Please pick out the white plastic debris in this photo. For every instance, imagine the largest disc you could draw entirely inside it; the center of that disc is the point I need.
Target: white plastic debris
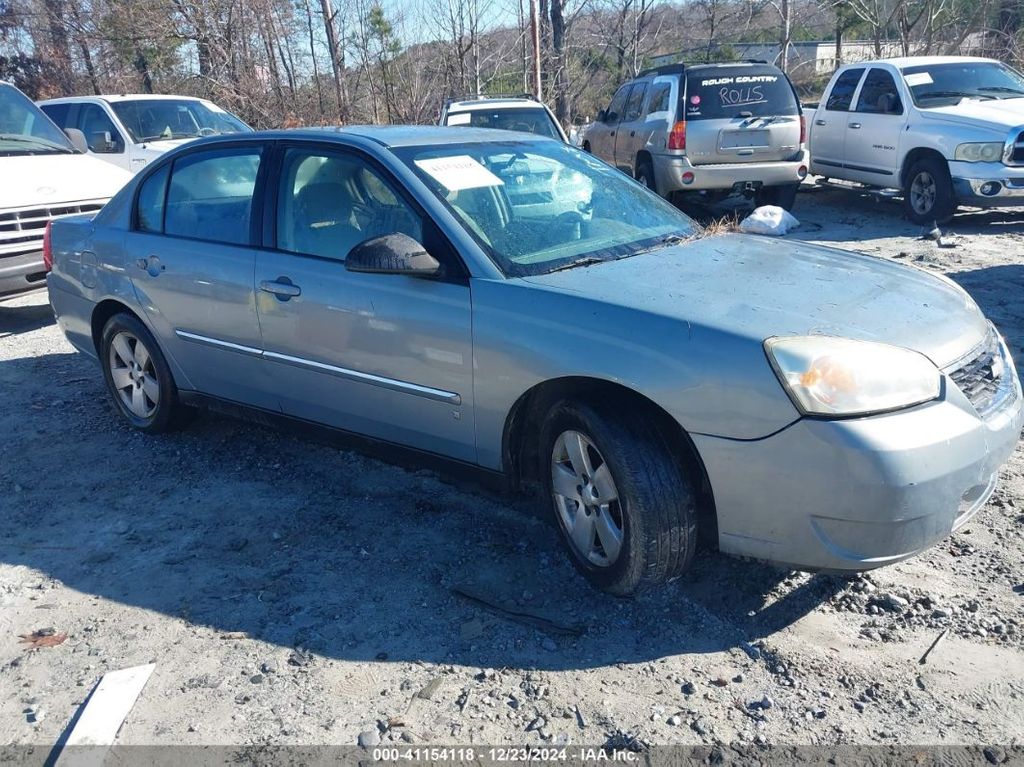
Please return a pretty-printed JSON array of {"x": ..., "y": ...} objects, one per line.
[{"x": 769, "y": 219}]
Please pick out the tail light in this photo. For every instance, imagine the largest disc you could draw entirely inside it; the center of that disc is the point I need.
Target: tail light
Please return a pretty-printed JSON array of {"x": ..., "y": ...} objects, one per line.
[
  {"x": 677, "y": 138},
  {"x": 47, "y": 247},
  {"x": 803, "y": 129}
]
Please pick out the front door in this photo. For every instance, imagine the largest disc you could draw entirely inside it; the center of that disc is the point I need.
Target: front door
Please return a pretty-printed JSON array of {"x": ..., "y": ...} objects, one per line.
[
  {"x": 388, "y": 356},
  {"x": 632, "y": 121},
  {"x": 191, "y": 262},
  {"x": 601, "y": 135},
  {"x": 874, "y": 131}
]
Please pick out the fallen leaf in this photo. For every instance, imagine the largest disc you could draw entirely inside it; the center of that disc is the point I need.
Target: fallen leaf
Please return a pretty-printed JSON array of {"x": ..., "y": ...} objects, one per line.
[{"x": 42, "y": 638}]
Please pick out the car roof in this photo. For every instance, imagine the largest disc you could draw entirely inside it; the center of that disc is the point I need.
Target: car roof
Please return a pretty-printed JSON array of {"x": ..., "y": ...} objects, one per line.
[
  {"x": 388, "y": 136},
  {"x": 902, "y": 62},
  {"x": 111, "y": 98},
  {"x": 470, "y": 105}
]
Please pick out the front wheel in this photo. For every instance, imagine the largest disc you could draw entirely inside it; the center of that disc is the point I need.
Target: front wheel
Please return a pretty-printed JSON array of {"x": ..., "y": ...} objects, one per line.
[
  {"x": 783, "y": 196},
  {"x": 626, "y": 513},
  {"x": 928, "y": 192}
]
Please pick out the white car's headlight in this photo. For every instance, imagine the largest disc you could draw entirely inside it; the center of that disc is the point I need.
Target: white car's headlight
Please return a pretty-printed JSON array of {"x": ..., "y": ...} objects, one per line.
[
  {"x": 825, "y": 375},
  {"x": 986, "y": 152}
]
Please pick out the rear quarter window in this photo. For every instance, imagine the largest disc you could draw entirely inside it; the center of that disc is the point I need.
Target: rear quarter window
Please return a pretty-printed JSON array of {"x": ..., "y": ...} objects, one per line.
[{"x": 725, "y": 93}]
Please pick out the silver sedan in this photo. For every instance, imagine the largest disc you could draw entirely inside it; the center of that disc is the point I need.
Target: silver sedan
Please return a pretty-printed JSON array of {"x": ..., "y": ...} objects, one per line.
[{"x": 513, "y": 304}]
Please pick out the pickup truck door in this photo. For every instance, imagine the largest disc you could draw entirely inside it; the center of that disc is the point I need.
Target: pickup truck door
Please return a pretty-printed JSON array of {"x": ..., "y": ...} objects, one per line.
[
  {"x": 830, "y": 128},
  {"x": 874, "y": 129},
  {"x": 601, "y": 135}
]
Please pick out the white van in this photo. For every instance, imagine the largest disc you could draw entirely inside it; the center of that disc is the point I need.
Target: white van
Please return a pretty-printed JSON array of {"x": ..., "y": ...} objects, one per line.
[
  {"x": 42, "y": 175},
  {"x": 132, "y": 130}
]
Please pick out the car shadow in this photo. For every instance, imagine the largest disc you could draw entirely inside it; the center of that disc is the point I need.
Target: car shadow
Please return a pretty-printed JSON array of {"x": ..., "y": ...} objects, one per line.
[
  {"x": 244, "y": 528},
  {"x": 997, "y": 291},
  {"x": 23, "y": 318}
]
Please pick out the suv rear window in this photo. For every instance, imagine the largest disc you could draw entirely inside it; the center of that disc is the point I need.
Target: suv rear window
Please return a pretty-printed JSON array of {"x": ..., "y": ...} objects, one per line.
[{"x": 724, "y": 93}]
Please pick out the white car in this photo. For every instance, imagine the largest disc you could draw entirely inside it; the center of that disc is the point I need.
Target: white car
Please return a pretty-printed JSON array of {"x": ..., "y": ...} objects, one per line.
[
  {"x": 44, "y": 176},
  {"x": 941, "y": 130},
  {"x": 132, "y": 130},
  {"x": 520, "y": 113}
]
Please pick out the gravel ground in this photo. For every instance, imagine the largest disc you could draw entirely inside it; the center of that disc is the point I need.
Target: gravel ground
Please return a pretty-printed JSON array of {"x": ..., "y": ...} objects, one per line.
[{"x": 293, "y": 592}]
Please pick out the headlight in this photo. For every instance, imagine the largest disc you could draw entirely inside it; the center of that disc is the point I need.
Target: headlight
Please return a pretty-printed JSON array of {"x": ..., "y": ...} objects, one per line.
[
  {"x": 989, "y": 152},
  {"x": 825, "y": 375}
]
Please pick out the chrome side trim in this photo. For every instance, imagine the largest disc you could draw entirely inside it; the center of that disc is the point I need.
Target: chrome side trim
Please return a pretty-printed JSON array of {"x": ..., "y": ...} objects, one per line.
[
  {"x": 354, "y": 375},
  {"x": 206, "y": 341}
]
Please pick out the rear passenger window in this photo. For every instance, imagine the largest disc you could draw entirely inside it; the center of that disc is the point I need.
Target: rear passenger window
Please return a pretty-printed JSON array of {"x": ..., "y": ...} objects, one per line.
[
  {"x": 149, "y": 215},
  {"x": 210, "y": 195},
  {"x": 636, "y": 99},
  {"x": 660, "y": 98},
  {"x": 879, "y": 94},
  {"x": 841, "y": 97}
]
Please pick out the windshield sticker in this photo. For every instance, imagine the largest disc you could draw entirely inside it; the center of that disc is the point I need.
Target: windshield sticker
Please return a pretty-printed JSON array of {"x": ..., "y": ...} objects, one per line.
[
  {"x": 459, "y": 172},
  {"x": 459, "y": 118},
  {"x": 918, "y": 78}
]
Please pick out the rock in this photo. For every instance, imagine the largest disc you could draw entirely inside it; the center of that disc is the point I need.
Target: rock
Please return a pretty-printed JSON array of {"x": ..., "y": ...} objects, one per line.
[
  {"x": 369, "y": 738},
  {"x": 675, "y": 720},
  {"x": 549, "y": 644},
  {"x": 689, "y": 688},
  {"x": 256, "y": 679},
  {"x": 766, "y": 703},
  {"x": 536, "y": 724},
  {"x": 35, "y": 715},
  {"x": 699, "y": 726},
  {"x": 738, "y": 678},
  {"x": 994, "y": 754},
  {"x": 268, "y": 667},
  {"x": 891, "y": 602},
  {"x": 749, "y": 649}
]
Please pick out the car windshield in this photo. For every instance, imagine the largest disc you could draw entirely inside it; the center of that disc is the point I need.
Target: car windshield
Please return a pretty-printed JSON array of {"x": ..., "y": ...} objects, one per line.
[
  {"x": 939, "y": 85},
  {"x": 164, "y": 119},
  {"x": 540, "y": 206},
  {"x": 24, "y": 129},
  {"x": 524, "y": 119},
  {"x": 717, "y": 93}
]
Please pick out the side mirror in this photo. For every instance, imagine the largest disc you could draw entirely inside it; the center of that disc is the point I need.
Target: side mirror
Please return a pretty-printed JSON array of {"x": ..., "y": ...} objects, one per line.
[
  {"x": 601, "y": 114},
  {"x": 392, "y": 254},
  {"x": 77, "y": 139},
  {"x": 103, "y": 143}
]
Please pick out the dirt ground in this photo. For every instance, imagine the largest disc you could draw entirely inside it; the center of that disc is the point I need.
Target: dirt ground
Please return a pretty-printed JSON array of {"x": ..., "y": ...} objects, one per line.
[{"x": 289, "y": 591}]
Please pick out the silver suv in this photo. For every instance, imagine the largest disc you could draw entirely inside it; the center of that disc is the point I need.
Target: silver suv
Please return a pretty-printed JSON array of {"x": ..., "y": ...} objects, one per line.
[{"x": 716, "y": 130}]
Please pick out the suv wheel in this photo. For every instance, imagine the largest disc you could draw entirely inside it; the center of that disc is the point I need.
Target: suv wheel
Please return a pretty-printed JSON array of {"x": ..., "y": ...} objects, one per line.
[
  {"x": 586, "y": 147},
  {"x": 928, "y": 192},
  {"x": 137, "y": 376},
  {"x": 645, "y": 175},
  {"x": 626, "y": 513},
  {"x": 784, "y": 196}
]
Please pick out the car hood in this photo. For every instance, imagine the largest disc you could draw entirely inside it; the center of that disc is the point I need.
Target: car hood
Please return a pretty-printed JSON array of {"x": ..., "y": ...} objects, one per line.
[
  {"x": 757, "y": 287},
  {"x": 998, "y": 115},
  {"x": 57, "y": 178}
]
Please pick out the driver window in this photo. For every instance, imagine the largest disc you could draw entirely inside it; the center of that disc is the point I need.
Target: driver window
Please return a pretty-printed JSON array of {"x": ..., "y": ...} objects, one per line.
[
  {"x": 328, "y": 203},
  {"x": 614, "y": 112},
  {"x": 97, "y": 126},
  {"x": 878, "y": 95}
]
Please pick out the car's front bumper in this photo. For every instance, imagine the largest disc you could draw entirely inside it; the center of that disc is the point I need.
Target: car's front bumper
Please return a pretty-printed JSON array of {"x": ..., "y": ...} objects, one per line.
[
  {"x": 855, "y": 494},
  {"x": 22, "y": 272},
  {"x": 670, "y": 169},
  {"x": 987, "y": 184}
]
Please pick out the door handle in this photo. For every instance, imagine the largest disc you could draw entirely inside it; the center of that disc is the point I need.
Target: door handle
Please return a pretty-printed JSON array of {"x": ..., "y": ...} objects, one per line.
[
  {"x": 855, "y": 126},
  {"x": 819, "y": 122},
  {"x": 150, "y": 265},
  {"x": 282, "y": 287},
  {"x": 612, "y": 133},
  {"x": 632, "y": 133}
]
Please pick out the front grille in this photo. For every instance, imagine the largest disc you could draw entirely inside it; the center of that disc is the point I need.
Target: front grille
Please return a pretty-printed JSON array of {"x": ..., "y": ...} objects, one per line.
[
  {"x": 21, "y": 231},
  {"x": 980, "y": 377}
]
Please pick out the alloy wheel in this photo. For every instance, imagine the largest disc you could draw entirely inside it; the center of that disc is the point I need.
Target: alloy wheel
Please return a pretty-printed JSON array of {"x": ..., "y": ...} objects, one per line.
[
  {"x": 133, "y": 375},
  {"x": 586, "y": 499},
  {"x": 923, "y": 191}
]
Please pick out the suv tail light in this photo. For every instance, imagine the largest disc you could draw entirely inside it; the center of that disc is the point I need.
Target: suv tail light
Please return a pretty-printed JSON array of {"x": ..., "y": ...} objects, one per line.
[
  {"x": 677, "y": 137},
  {"x": 803, "y": 129},
  {"x": 47, "y": 247}
]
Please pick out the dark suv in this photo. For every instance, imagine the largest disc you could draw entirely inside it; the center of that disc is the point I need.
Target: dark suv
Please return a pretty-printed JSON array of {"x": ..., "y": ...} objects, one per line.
[{"x": 713, "y": 129}]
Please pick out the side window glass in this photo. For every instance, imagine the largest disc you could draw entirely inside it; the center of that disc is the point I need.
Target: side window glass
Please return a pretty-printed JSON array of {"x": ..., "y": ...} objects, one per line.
[
  {"x": 842, "y": 92},
  {"x": 100, "y": 133},
  {"x": 879, "y": 94},
  {"x": 149, "y": 213},
  {"x": 210, "y": 195},
  {"x": 659, "y": 99},
  {"x": 636, "y": 99},
  {"x": 329, "y": 203},
  {"x": 58, "y": 113},
  {"x": 615, "y": 109}
]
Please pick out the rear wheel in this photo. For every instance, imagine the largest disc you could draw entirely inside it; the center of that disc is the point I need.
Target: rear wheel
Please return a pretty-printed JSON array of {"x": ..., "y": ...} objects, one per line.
[
  {"x": 645, "y": 175},
  {"x": 626, "y": 513},
  {"x": 586, "y": 146},
  {"x": 928, "y": 192},
  {"x": 137, "y": 376},
  {"x": 783, "y": 196}
]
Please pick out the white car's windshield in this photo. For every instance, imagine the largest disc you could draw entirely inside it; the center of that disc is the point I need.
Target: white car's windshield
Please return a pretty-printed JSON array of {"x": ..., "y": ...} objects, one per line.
[
  {"x": 936, "y": 85},
  {"x": 524, "y": 119},
  {"x": 163, "y": 119},
  {"x": 24, "y": 129},
  {"x": 539, "y": 206}
]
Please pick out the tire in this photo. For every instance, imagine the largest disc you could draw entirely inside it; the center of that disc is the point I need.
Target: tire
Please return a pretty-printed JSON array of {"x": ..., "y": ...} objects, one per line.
[
  {"x": 138, "y": 379},
  {"x": 651, "y": 511},
  {"x": 645, "y": 175},
  {"x": 586, "y": 147},
  {"x": 784, "y": 196},
  {"x": 928, "y": 192}
]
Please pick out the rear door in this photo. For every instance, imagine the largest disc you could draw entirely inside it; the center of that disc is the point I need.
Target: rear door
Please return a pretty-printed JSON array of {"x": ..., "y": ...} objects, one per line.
[
  {"x": 828, "y": 136},
  {"x": 740, "y": 114},
  {"x": 874, "y": 130},
  {"x": 601, "y": 135},
  {"x": 384, "y": 355},
  {"x": 632, "y": 121},
  {"x": 191, "y": 261}
]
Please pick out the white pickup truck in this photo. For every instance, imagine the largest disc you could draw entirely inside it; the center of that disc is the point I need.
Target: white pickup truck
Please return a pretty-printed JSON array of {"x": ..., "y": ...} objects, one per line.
[{"x": 942, "y": 131}]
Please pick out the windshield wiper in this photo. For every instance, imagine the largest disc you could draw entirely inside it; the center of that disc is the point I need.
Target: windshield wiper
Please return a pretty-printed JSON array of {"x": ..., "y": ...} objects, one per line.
[
  {"x": 953, "y": 95},
  {"x": 665, "y": 242},
  {"x": 585, "y": 261},
  {"x": 48, "y": 146},
  {"x": 1001, "y": 89}
]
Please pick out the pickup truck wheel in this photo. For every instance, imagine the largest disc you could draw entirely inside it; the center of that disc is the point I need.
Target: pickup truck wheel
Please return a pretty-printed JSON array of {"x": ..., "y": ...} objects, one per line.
[
  {"x": 626, "y": 513},
  {"x": 137, "y": 376},
  {"x": 784, "y": 196},
  {"x": 928, "y": 192},
  {"x": 645, "y": 175}
]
